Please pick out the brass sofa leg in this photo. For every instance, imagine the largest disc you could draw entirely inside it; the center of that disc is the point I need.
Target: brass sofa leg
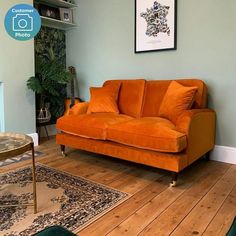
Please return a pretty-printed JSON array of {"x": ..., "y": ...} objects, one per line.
[
  {"x": 174, "y": 179},
  {"x": 63, "y": 150}
]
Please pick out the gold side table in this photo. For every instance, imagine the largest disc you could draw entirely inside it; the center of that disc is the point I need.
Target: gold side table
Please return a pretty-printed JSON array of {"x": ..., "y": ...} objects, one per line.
[{"x": 13, "y": 144}]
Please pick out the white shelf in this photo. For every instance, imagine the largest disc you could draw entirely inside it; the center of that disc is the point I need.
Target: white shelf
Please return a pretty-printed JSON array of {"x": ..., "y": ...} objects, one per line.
[
  {"x": 58, "y": 24},
  {"x": 58, "y": 3}
]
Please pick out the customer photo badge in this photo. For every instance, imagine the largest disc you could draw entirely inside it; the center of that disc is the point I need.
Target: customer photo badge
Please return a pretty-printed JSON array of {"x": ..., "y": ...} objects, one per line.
[{"x": 22, "y": 22}]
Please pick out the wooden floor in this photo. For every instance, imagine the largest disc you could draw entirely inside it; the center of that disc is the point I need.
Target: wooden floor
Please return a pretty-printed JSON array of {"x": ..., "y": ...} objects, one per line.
[{"x": 204, "y": 203}]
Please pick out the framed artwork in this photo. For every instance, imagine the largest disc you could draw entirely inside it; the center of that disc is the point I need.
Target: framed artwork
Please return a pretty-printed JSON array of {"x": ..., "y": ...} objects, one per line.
[
  {"x": 66, "y": 15},
  {"x": 155, "y": 25}
]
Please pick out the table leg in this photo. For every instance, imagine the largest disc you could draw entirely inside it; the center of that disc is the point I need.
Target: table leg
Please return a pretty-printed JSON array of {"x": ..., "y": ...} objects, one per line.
[
  {"x": 34, "y": 179},
  {"x": 39, "y": 132}
]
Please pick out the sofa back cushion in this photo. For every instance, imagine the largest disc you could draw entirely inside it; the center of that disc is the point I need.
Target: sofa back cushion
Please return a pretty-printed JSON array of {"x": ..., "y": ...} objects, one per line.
[
  {"x": 130, "y": 98},
  {"x": 155, "y": 91}
]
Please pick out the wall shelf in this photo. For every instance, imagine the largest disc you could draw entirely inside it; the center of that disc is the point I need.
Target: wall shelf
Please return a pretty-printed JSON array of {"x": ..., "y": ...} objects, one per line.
[
  {"x": 57, "y": 3},
  {"x": 58, "y": 24}
]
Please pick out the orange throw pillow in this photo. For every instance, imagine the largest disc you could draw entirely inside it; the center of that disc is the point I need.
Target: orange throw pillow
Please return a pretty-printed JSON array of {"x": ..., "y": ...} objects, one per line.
[
  {"x": 104, "y": 99},
  {"x": 177, "y": 99}
]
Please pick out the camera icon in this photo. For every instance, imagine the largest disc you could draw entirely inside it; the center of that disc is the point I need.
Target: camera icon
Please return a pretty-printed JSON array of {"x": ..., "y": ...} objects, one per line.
[{"x": 22, "y": 22}]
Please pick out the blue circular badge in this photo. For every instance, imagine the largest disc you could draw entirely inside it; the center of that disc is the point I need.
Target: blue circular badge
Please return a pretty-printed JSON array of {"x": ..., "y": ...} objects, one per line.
[{"x": 22, "y": 22}]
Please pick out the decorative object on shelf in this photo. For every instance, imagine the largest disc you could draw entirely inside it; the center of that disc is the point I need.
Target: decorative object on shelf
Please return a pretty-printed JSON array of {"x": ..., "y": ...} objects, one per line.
[
  {"x": 70, "y": 1},
  {"x": 48, "y": 11},
  {"x": 66, "y": 15},
  {"x": 155, "y": 25}
]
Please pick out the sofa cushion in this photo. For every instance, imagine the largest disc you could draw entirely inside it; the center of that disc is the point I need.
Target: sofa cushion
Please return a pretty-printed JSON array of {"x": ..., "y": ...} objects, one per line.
[
  {"x": 89, "y": 125},
  {"x": 104, "y": 99},
  {"x": 155, "y": 91},
  {"x": 130, "y": 96},
  {"x": 177, "y": 99},
  {"x": 153, "y": 133}
]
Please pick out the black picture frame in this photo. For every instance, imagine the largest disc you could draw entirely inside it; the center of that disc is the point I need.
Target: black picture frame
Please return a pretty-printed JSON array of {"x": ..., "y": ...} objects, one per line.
[
  {"x": 155, "y": 25},
  {"x": 50, "y": 12}
]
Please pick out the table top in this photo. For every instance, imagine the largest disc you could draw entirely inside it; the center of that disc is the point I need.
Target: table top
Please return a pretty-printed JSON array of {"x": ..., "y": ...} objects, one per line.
[{"x": 12, "y": 144}]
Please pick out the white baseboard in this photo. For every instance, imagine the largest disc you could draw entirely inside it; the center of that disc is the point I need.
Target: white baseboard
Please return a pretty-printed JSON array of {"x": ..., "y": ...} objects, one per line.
[
  {"x": 224, "y": 154},
  {"x": 35, "y": 138}
]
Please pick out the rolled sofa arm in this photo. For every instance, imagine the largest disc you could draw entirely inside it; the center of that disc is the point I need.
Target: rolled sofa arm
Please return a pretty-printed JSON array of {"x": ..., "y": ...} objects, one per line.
[
  {"x": 79, "y": 108},
  {"x": 199, "y": 126}
]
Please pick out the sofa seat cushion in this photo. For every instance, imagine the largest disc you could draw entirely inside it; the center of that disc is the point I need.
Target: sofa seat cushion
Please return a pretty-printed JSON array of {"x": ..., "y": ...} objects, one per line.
[
  {"x": 89, "y": 125},
  {"x": 152, "y": 133}
]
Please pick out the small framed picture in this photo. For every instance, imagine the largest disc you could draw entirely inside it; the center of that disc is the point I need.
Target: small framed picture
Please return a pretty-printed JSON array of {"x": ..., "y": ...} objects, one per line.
[
  {"x": 66, "y": 15},
  {"x": 51, "y": 12},
  {"x": 155, "y": 25}
]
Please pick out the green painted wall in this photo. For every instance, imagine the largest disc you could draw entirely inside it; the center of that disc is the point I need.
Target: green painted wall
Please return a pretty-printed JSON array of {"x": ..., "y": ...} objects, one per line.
[
  {"x": 102, "y": 48},
  {"x": 16, "y": 66}
]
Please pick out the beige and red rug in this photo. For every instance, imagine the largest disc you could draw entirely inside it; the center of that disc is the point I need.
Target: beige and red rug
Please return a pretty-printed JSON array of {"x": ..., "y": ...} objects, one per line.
[{"x": 63, "y": 199}]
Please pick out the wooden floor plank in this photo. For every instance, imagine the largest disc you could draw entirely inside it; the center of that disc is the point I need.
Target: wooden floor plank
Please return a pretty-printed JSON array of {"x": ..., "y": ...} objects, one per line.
[
  {"x": 138, "y": 221},
  {"x": 134, "y": 180},
  {"x": 175, "y": 213},
  {"x": 224, "y": 217},
  {"x": 198, "y": 219}
]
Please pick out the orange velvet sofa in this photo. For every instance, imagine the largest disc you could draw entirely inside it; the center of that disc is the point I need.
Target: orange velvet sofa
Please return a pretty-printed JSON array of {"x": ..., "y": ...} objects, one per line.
[{"x": 138, "y": 133}]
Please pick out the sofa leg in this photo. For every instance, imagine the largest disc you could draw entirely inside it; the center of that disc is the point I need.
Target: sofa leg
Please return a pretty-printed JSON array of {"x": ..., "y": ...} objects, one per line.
[
  {"x": 207, "y": 156},
  {"x": 63, "y": 150},
  {"x": 174, "y": 179}
]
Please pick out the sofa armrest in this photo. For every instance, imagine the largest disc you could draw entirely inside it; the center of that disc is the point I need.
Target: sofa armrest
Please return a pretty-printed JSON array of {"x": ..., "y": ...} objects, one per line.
[
  {"x": 199, "y": 126},
  {"x": 79, "y": 108}
]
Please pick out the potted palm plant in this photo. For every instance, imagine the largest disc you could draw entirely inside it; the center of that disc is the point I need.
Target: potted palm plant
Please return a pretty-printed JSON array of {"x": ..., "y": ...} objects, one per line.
[{"x": 50, "y": 76}]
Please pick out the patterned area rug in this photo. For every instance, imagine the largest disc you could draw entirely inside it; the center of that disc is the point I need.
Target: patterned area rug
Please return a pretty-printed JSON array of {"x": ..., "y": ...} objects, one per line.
[
  {"x": 22, "y": 157},
  {"x": 63, "y": 199}
]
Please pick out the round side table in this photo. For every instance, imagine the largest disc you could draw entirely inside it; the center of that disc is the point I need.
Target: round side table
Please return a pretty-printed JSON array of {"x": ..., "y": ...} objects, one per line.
[{"x": 13, "y": 144}]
